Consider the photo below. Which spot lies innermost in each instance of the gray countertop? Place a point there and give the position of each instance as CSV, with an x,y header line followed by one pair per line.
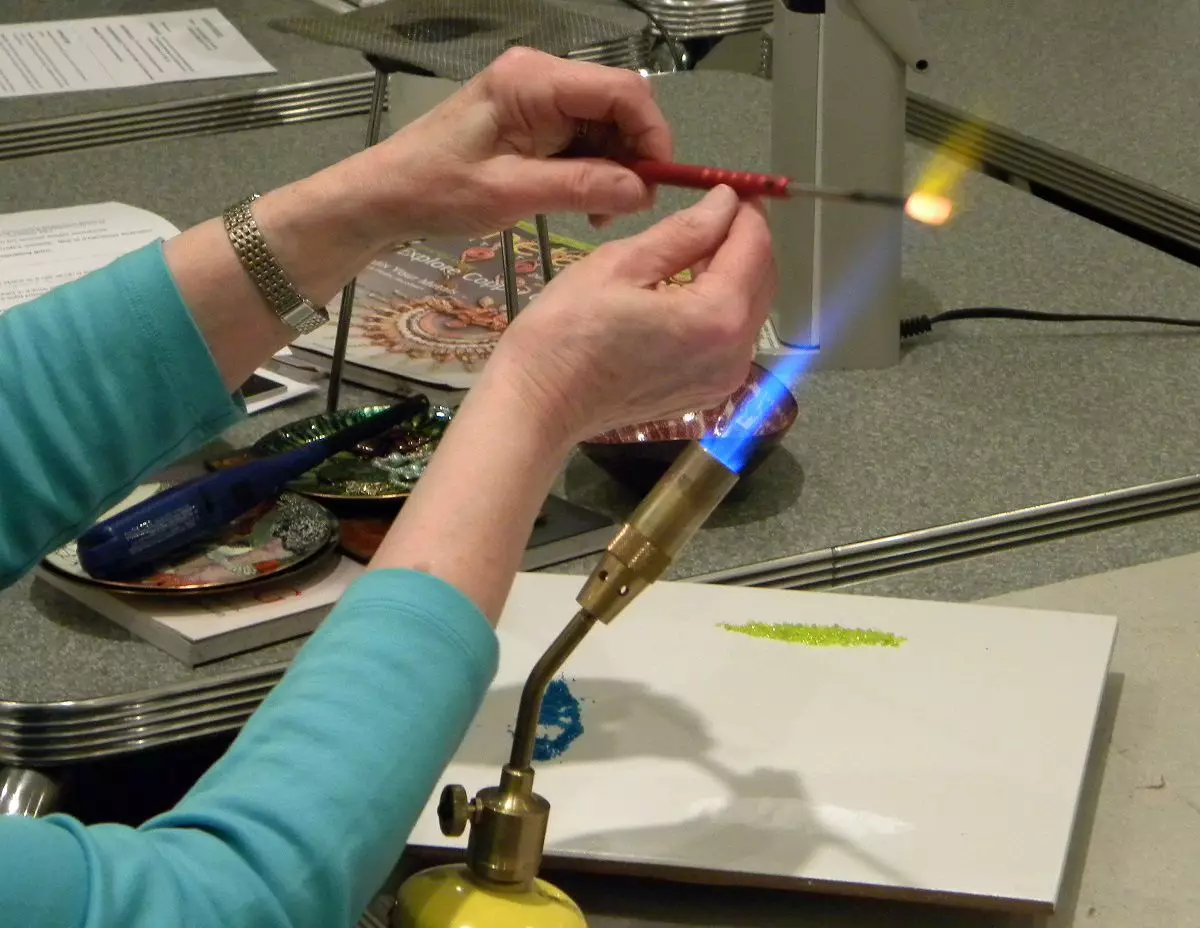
x,y
1111,82
980,419
998,573
1114,82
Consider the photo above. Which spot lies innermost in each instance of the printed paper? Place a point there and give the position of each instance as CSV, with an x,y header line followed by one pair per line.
x,y
122,51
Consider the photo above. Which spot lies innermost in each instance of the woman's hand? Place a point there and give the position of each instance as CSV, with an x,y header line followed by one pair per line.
x,y
606,344
484,158
478,162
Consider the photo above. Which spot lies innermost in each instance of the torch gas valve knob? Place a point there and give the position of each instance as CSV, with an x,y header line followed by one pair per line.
x,y
455,811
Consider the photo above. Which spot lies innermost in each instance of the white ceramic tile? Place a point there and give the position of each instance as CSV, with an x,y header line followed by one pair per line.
x,y
949,765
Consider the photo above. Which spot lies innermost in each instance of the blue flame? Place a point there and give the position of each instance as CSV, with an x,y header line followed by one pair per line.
x,y
733,442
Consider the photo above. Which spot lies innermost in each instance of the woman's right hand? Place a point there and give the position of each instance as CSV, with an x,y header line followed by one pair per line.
x,y
607,345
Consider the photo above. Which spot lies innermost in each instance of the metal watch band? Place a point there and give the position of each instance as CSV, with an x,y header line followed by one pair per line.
x,y
248,243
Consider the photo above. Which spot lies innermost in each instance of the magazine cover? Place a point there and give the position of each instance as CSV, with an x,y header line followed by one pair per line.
x,y
433,311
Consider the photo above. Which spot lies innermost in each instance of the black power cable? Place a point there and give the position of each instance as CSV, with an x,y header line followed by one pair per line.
x,y
920,325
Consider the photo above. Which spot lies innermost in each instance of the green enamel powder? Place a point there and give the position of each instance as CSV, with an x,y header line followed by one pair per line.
x,y
819,636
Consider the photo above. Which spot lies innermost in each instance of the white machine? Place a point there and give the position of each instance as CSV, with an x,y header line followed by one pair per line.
x,y
839,95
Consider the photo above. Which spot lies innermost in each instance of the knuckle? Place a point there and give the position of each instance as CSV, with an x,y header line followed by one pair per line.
x,y
602,251
729,327
723,306
577,184
512,66
515,59
608,255
491,189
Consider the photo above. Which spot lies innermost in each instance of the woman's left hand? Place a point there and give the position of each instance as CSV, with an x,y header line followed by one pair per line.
x,y
485,157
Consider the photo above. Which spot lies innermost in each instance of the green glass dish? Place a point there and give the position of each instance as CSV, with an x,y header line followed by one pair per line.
x,y
385,467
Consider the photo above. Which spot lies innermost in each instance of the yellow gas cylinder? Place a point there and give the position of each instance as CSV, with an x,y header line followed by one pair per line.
x,y
451,897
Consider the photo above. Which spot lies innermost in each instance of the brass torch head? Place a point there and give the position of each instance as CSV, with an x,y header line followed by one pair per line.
x,y
665,521
509,830
508,827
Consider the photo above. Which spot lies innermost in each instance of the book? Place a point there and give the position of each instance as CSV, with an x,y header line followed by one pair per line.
x,y
433,311
200,629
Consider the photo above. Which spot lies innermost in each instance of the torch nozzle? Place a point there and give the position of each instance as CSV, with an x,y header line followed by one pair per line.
x,y
662,524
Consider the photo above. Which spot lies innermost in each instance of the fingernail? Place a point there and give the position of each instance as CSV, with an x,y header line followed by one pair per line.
x,y
630,190
721,198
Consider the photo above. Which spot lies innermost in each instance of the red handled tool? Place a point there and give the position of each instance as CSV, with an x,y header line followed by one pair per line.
x,y
750,184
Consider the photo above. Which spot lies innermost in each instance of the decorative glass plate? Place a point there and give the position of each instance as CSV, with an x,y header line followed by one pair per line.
x,y
271,541
382,468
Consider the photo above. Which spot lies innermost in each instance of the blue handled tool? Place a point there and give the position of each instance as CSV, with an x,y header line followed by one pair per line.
x,y
131,542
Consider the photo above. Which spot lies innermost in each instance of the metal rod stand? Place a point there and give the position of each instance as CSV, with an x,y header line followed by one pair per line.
x,y
509,255
544,249
341,341
508,252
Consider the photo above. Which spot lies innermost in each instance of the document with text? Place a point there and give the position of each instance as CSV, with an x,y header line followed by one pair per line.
x,y
45,248
122,51
42,249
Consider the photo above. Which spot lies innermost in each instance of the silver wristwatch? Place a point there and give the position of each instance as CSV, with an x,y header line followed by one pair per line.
x,y
296,312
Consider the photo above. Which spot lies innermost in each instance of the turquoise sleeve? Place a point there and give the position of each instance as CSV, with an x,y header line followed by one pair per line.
x,y
301,821
102,382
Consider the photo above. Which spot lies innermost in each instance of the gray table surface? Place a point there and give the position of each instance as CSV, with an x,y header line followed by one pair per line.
x,y
1114,82
1111,82
982,418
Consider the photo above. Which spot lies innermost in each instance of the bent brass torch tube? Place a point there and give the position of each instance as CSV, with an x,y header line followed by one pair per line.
x,y
525,732
641,553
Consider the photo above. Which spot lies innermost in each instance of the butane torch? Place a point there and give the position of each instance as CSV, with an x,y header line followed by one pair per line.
x,y
508,822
